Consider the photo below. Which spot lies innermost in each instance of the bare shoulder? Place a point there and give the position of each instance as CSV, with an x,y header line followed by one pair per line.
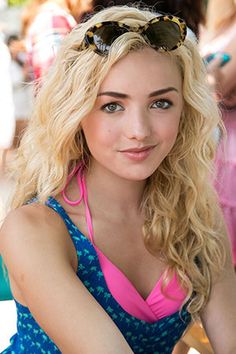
x,y
30,223
35,244
34,235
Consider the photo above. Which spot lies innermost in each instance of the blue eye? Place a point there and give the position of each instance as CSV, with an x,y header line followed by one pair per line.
x,y
112,107
162,104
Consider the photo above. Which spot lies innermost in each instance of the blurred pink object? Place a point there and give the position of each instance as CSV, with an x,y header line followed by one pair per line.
x,y
226,176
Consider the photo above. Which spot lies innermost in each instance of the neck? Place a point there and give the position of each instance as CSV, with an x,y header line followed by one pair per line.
x,y
106,189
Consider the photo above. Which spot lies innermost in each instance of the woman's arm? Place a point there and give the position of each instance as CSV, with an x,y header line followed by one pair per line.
x,y
41,261
219,316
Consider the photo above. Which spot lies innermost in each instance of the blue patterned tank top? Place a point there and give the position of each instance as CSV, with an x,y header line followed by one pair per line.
x,y
159,337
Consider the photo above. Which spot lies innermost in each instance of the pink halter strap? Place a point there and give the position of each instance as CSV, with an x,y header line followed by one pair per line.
x,y
156,305
83,196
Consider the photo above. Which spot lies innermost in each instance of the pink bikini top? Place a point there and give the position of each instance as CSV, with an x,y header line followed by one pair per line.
x,y
158,304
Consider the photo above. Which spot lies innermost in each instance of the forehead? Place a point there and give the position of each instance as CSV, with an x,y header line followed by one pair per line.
x,y
146,68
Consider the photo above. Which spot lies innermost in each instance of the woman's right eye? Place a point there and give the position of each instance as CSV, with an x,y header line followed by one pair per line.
x,y
112,107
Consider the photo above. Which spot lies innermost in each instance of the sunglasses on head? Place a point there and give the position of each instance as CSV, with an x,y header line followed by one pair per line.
x,y
163,32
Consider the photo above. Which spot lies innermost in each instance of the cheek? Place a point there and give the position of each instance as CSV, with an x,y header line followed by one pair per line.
x,y
173,132
169,130
98,134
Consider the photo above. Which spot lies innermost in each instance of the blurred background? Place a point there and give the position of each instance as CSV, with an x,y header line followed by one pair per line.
x,y
10,15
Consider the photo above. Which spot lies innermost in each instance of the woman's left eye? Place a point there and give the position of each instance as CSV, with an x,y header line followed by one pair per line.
x,y
162,104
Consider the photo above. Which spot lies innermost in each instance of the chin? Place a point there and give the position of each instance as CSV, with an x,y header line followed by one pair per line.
x,y
138,175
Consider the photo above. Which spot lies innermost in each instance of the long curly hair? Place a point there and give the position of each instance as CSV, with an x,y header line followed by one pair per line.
x,y
182,218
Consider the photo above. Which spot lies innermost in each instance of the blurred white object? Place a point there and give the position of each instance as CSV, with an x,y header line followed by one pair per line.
x,y
22,92
193,351
7,322
3,4
7,116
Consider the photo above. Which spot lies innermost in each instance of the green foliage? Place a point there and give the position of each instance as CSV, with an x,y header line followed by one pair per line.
x,y
16,2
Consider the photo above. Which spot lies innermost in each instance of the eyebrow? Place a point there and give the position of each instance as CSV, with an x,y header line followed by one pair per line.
x,y
123,95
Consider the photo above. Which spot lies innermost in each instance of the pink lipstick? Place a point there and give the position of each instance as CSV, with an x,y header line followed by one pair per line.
x,y
138,154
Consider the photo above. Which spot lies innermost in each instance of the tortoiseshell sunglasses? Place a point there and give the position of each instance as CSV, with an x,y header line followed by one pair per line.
x,y
163,32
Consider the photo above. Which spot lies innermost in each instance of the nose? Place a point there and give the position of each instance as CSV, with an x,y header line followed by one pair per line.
x,y
137,125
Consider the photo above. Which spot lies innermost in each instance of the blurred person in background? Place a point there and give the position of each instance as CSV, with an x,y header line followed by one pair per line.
x,y
44,24
7,117
218,47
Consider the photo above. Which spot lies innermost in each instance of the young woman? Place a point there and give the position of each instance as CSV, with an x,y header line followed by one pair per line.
x,y
119,240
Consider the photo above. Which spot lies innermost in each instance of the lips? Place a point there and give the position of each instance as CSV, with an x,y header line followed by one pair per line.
x,y
138,153
138,149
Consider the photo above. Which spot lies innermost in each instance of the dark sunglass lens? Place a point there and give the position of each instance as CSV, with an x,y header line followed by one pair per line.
x,y
165,34
106,35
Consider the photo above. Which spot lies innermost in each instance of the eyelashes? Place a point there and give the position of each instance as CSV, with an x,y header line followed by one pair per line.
x,y
113,107
162,104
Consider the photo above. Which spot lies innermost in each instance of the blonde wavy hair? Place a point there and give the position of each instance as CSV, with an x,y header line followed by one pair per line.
x,y
182,219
